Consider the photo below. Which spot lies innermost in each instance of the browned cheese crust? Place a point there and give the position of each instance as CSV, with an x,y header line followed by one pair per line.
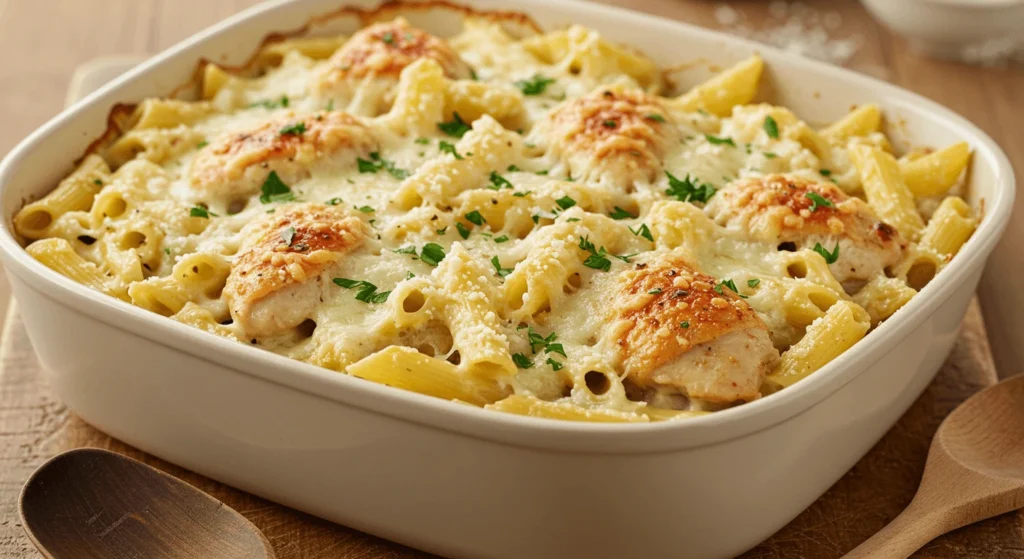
x,y
238,163
612,130
383,50
665,310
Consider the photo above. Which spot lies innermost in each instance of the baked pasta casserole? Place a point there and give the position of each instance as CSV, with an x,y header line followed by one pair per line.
x,y
539,224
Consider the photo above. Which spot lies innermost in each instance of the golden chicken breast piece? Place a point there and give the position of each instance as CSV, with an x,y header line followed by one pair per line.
x,y
613,134
276,280
237,164
680,331
379,53
796,213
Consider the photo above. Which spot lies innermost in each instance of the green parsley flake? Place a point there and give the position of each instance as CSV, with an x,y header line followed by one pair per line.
x,y
688,189
753,282
366,209
376,163
655,117
620,213
771,127
447,147
643,231
200,145
405,250
521,194
715,140
565,202
271,104
731,285
818,201
463,231
367,292
513,169
498,182
199,211
334,201
521,361
610,124
555,365
275,190
442,230
501,239
502,272
456,127
475,218
830,257
297,129
655,291
597,259
388,38
535,85
432,254
684,324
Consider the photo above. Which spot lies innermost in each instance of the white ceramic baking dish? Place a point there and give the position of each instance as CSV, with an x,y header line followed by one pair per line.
x,y
457,480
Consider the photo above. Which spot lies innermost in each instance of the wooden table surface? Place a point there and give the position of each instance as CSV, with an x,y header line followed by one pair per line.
x,y
52,37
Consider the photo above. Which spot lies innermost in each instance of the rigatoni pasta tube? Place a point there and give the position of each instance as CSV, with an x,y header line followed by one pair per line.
x,y
534,407
58,255
937,172
406,368
843,325
949,228
75,193
887,194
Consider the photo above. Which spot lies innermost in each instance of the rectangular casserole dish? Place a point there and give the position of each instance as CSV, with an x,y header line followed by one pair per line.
x,y
466,482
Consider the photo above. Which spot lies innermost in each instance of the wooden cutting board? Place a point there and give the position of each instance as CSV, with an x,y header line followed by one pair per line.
x,y
34,426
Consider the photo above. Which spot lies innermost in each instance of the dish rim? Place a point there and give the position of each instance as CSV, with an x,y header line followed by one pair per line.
x,y
530,432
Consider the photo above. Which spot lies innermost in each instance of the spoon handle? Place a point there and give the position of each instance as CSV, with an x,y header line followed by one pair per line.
x,y
908,532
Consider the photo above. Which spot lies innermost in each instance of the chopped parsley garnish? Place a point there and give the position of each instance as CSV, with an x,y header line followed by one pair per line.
x,y
620,213
731,285
542,172
472,74
545,343
771,127
830,257
715,140
366,209
597,259
463,230
555,365
271,103
475,218
642,231
297,129
388,38
200,145
655,291
447,147
818,201
199,211
655,117
513,169
456,127
769,155
275,190
167,251
535,85
521,194
688,189
610,124
684,324
334,201
825,172
97,182
288,235
432,254
423,141
502,272
625,257
501,239
753,282
442,230
409,275
330,106
376,163
521,361
405,250
565,202
572,219
498,182
367,292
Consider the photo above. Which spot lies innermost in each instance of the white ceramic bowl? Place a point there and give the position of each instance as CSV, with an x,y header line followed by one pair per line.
x,y
968,30
457,480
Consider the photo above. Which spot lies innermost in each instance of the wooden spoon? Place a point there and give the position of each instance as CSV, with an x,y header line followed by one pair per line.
x,y
92,503
975,470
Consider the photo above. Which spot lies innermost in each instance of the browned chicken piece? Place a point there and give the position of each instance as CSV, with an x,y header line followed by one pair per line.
x,y
383,50
237,164
783,210
680,332
612,134
277,277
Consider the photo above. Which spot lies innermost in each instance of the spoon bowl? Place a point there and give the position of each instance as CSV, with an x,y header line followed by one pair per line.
x,y
95,504
975,470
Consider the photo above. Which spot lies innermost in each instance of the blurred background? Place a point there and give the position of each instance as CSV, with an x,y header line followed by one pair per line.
x,y
965,54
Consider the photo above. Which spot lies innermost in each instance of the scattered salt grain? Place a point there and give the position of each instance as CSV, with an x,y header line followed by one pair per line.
x,y
796,28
